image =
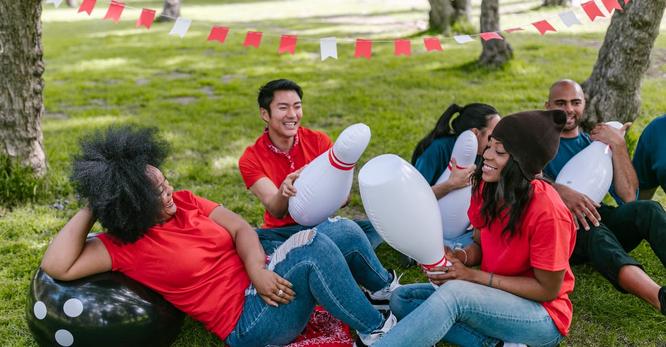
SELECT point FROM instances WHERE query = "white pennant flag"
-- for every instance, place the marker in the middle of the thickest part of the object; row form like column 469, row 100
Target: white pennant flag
column 329, row 48
column 463, row 38
column 181, row 27
column 569, row 18
column 54, row 2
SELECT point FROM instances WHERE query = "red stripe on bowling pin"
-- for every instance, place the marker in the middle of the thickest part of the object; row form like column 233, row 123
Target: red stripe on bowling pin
column 337, row 163
column 457, row 166
column 441, row 262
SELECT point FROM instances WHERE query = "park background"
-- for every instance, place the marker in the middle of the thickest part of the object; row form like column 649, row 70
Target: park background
column 202, row 97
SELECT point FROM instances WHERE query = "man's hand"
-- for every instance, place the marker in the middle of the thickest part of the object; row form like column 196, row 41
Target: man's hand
column 582, row 207
column 287, row 188
column 460, row 177
column 609, row 135
column 272, row 288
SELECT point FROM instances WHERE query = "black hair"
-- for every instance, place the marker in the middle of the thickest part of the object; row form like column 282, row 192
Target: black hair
column 474, row 115
column 507, row 197
column 111, row 174
column 267, row 91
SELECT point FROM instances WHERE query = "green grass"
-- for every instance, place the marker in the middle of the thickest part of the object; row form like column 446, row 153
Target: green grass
column 202, row 97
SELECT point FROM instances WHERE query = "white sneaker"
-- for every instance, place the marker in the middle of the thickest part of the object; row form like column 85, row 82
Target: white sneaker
column 369, row 339
column 513, row 344
column 380, row 299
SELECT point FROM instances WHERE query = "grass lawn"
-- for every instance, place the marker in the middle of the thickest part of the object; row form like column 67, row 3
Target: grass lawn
column 202, row 97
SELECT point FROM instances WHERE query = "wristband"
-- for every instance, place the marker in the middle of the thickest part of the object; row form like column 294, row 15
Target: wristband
column 490, row 281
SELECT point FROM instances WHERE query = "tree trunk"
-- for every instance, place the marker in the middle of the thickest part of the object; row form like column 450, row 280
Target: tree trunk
column 72, row 3
column 556, row 2
column 461, row 11
column 495, row 52
column 170, row 12
column 613, row 88
column 441, row 12
column 21, row 84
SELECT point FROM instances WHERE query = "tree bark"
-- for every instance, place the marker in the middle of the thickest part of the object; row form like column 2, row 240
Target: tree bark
column 170, row 12
column 461, row 11
column 556, row 2
column 21, row 83
column 613, row 89
column 495, row 52
column 72, row 3
column 441, row 13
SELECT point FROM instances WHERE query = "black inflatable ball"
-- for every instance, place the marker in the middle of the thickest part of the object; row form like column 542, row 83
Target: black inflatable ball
column 107, row 309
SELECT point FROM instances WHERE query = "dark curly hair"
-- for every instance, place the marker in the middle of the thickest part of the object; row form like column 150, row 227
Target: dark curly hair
column 110, row 172
column 508, row 197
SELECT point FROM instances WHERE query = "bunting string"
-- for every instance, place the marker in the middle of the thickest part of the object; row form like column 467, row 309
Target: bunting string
column 362, row 47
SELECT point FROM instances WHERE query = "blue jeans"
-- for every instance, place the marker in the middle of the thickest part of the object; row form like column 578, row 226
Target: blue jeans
column 316, row 268
column 466, row 314
column 352, row 241
column 462, row 240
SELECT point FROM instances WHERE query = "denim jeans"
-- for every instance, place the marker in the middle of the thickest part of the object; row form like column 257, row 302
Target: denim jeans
column 352, row 241
column 466, row 314
column 316, row 268
column 462, row 240
column 622, row 229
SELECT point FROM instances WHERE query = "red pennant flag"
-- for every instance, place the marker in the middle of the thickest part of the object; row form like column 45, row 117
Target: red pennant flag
column 115, row 10
column 253, row 38
column 146, row 19
column 87, row 6
column 402, row 47
column 363, row 49
column 218, row 33
column 626, row 2
column 513, row 30
column 432, row 44
column 612, row 5
column 287, row 44
column 491, row 35
column 543, row 26
column 593, row 11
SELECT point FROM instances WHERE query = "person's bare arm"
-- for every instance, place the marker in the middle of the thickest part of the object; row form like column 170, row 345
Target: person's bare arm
column 580, row 205
column 625, row 179
column 70, row 256
column 274, row 199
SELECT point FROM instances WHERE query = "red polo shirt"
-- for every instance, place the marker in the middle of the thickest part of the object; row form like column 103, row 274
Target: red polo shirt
column 263, row 159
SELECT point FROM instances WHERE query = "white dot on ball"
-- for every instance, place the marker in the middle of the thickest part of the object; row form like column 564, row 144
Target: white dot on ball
column 64, row 337
column 73, row 307
column 40, row 310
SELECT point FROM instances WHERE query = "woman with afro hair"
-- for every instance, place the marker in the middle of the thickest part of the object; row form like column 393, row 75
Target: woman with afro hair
column 203, row 258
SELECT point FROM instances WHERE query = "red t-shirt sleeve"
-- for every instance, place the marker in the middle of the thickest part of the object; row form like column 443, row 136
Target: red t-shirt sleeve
column 250, row 169
column 550, row 247
column 121, row 258
column 204, row 205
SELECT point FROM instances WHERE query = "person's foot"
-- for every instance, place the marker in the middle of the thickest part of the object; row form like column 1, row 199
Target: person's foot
column 368, row 339
column 380, row 299
column 662, row 300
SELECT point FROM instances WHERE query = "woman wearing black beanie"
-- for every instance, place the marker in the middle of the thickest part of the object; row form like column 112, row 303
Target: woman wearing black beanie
column 524, row 237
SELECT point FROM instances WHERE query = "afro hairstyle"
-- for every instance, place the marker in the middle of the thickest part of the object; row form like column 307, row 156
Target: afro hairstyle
column 110, row 173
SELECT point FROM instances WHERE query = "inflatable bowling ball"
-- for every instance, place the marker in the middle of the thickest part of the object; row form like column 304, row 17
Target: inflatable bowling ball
column 107, row 309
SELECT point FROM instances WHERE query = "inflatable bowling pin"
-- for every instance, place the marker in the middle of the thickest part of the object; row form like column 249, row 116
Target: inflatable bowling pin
column 591, row 170
column 325, row 183
column 454, row 205
column 402, row 207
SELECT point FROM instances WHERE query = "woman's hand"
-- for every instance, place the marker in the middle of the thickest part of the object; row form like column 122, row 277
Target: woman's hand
column 460, row 177
column 272, row 288
column 456, row 271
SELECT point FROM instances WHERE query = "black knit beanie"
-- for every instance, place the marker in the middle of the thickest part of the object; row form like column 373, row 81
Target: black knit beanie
column 531, row 137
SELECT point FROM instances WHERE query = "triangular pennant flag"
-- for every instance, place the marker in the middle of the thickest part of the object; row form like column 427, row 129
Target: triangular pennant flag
column 87, row 6
column 56, row 3
column 593, row 11
column 402, row 47
column 432, row 44
column 181, row 27
column 253, row 38
column 218, row 33
column 626, row 1
column 463, row 39
column 612, row 5
column 491, row 35
column 363, row 49
column 543, row 26
column 513, row 30
column 146, row 18
column 287, row 44
column 115, row 10
column 329, row 48
column 569, row 18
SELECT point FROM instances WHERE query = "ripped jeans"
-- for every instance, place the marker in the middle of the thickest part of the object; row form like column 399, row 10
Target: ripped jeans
column 316, row 268
column 352, row 238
